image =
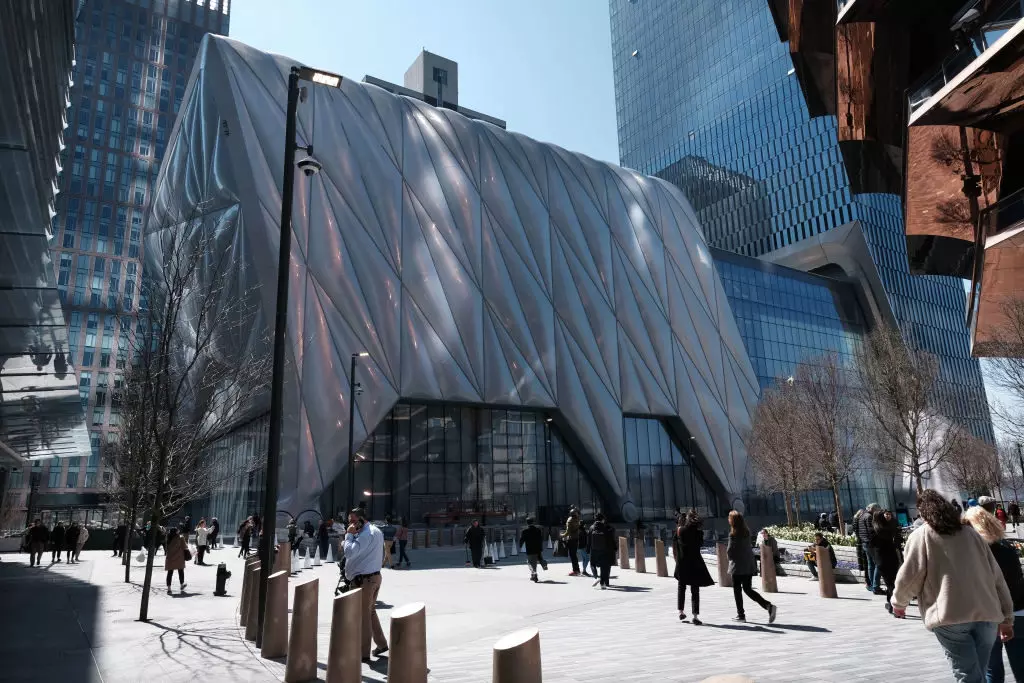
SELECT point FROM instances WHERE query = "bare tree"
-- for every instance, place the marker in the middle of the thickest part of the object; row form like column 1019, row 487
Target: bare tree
column 899, row 391
column 830, row 422
column 779, row 458
column 194, row 376
column 1007, row 366
column 1011, row 467
column 973, row 466
column 12, row 512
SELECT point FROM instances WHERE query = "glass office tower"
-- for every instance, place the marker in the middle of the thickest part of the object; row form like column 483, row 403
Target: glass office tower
column 134, row 58
column 706, row 98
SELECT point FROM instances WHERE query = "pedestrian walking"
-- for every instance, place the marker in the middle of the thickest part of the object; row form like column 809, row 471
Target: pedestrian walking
column 177, row 554
column 71, row 541
column 402, row 538
column 584, row 553
column 741, row 567
column 1001, row 515
column 474, row 538
column 865, row 533
column 57, row 541
column 690, row 567
column 571, row 537
column 245, row 537
column 202, row 541
column 1009, row 563
column 119, row 538
column 214, row 533
column 388, row 530
column 364, row 552
column 38, row 536
column 961, row 593
column 323, row 536
column 887, row 543
column 1015, row 513
column 83, row 536
column 603, row 548
column 811, row 554
column 532, row 539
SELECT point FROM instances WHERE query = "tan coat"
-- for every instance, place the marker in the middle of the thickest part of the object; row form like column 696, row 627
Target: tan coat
column 175, row 558
column 956, row 579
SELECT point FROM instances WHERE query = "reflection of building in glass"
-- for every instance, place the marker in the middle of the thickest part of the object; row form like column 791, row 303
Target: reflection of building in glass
column 516, row 302
column 40, row 414
column 723, row 87
column 133, row 61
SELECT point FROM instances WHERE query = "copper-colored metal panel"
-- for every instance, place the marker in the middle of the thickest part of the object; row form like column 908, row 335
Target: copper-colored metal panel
column 871, row 75
column 935, row 203
column 1002, row 282
column 811, row 32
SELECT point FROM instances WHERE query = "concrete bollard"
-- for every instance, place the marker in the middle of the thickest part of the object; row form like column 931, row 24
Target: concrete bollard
column 301, row 664
column 275, row 624
column 768, row 581
column 724, row 580
column 252, row 609
column 408, row 660
column 283, row 561
column 826, row 575
column 344, row 663
column 641, row 556
column 623, row 552
column 659, row 557
column 517, row 658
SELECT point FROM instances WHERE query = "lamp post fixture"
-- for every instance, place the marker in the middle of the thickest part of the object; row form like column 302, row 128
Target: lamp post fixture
column 268, row 538
column 353, row 388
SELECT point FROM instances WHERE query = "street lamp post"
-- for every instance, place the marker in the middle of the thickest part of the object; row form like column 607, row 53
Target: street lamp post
column 268, row 538
column 353, row 387
column 693, row 474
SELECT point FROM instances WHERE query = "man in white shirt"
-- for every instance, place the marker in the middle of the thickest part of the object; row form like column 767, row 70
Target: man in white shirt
column 364, row 554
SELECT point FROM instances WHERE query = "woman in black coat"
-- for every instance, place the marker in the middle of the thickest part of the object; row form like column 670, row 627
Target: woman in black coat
column 690, row 568
column 885, row 545
column 603, row 545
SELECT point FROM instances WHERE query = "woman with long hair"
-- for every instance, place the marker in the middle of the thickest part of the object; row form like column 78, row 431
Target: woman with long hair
column 960, row 589
column 993, row 531
column 886, row 544
column 741, row 567
column 175, row 558
column 690, row 568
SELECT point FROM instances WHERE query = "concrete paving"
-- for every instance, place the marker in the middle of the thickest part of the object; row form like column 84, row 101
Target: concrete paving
column 78, row 624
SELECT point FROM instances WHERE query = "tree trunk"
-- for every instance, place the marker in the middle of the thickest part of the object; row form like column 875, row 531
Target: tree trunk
column 126, row 555
column 155, row 517
column 839, row 505
column 789, row 508
column 796, row 505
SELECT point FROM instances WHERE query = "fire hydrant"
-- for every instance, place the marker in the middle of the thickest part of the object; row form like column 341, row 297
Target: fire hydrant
column 222, row 579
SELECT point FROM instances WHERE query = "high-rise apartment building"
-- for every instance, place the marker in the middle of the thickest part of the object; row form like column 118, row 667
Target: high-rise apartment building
column 708, row 98
column 134, row 58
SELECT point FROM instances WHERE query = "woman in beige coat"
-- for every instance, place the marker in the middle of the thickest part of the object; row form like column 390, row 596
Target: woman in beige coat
column 175, row 558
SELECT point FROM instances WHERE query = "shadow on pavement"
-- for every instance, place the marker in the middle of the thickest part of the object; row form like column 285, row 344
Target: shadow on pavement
column 50, row 616
column 630, row 589
column 802, row 627
column 744, row 627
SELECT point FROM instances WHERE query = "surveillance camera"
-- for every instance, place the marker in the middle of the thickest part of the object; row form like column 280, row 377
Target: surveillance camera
column 310, row 166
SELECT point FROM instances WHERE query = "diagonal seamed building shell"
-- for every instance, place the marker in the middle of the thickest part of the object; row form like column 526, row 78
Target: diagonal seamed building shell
column 473, row 264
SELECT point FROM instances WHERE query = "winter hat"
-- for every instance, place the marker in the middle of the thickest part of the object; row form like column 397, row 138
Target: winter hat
column 971, row 503
column 986, row 500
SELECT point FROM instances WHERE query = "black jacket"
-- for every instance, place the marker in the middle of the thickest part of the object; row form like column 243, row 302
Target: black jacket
column 690, row 567
column 533, row 538
column 1009, row 561
column 38, row 534
column 475, row 536
column 71, row 536
column 603, row 544
column 865, row 528
column 886, row 542
column 57, row 535
column 740, row 552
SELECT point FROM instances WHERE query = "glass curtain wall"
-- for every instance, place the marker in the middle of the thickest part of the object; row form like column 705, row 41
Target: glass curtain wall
column 442, row 464
column 241, row 496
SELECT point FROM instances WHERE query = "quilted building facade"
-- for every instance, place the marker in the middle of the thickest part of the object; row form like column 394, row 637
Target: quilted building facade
column 492, row 279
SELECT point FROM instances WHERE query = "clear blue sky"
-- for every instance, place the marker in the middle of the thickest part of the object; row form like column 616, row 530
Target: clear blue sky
column 544, row 66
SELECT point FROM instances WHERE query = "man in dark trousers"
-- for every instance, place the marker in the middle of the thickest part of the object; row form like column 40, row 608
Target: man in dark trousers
column 474, row 538
column 38, row 535
column 571, row 537
column 57, row 542
column 532, row 539
column 119, row 535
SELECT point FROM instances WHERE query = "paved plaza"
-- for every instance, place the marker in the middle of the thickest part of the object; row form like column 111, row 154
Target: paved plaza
column 77, row 623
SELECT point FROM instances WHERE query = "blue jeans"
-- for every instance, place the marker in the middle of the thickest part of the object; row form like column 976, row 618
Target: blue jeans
column 873, row 576
column 585, row 560
column 968, row 648
column 1014, row 652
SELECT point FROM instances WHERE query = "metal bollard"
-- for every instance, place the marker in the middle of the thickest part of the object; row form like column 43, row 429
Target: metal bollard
column 301, row 664
column 408, row 660
column 275, row 624
column 641, row 556
column 344, row 664
column 623, row 553
column 252, row 607
column 768, row 582
column 659, row 557
column 724, row 579
column 517, row 658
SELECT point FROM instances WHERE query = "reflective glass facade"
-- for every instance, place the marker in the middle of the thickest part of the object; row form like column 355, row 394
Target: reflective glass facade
column 134, row 58
column 706, row 98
